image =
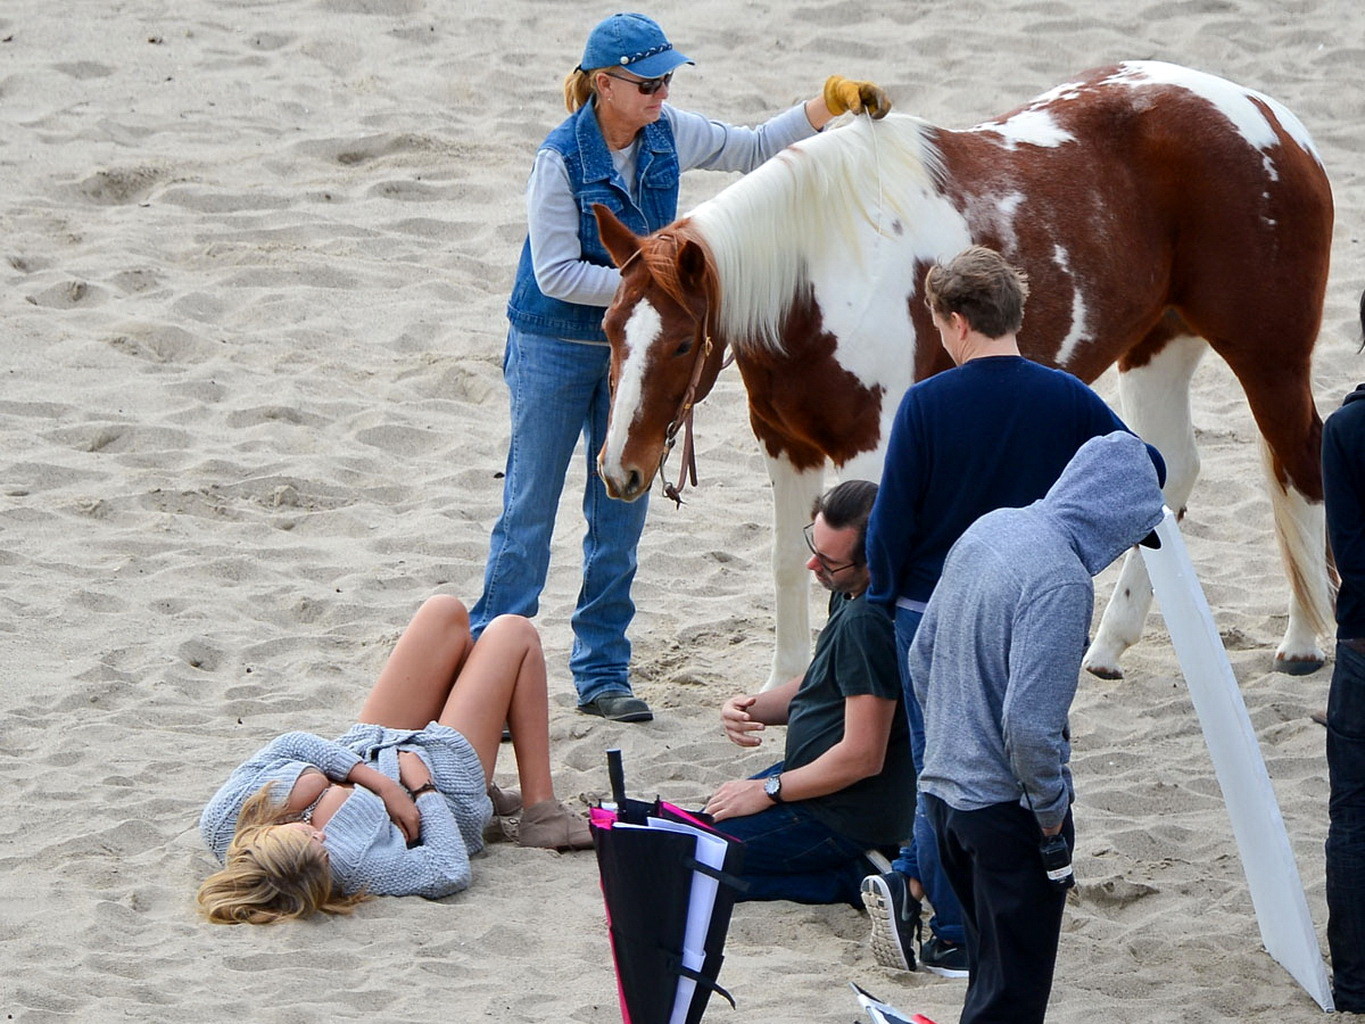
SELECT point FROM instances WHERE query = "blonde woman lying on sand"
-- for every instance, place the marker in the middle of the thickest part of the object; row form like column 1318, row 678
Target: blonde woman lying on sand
column 396, row 806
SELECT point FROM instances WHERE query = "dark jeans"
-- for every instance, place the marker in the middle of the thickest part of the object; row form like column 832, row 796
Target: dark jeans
column 919, row 857
column 1012, row 912
column 791, row 855
column 1346, row 829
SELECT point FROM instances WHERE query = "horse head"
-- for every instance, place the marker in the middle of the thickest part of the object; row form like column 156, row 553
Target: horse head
column 663, row 357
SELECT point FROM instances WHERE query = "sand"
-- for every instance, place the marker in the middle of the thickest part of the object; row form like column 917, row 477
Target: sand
column 254, row 261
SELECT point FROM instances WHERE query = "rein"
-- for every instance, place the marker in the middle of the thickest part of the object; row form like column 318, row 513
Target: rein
column 682, row 419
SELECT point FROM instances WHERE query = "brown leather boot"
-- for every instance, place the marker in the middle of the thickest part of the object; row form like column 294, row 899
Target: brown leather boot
column 552, row 826
column 506, row 802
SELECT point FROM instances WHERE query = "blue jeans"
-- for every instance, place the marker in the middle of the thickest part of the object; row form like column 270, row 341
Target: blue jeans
column 920, row 859
column 559, row 392
column 790, row 855
column 1346, row 829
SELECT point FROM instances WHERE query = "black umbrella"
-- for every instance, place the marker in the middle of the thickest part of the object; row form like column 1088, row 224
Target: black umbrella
column 669, row 879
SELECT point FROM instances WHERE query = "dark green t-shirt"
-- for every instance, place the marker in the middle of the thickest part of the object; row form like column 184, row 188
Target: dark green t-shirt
column 855, row 655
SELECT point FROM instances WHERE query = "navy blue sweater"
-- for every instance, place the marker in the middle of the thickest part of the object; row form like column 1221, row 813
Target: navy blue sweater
column 995, row 432
column 1343, row 480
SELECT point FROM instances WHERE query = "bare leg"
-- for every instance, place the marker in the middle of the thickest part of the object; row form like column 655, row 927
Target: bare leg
column 503, row 680
column 417, row 679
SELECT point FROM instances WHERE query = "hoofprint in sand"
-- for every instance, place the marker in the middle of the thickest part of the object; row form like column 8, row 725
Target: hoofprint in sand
column 255, row 257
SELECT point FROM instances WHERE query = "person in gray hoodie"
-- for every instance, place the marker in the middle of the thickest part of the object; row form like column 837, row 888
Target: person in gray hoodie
column 995, row 664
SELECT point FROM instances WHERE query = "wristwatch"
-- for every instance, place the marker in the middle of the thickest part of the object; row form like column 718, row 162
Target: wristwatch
column 772, row 787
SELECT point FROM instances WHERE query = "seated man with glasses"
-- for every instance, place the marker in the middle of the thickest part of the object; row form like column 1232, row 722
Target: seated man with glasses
column 845, row 785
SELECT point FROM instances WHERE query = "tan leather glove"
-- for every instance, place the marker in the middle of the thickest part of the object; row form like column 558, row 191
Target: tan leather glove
column 844, row 94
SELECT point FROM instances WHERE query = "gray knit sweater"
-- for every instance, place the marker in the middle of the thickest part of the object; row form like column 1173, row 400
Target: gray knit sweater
column 367, row 851
column 997, row 656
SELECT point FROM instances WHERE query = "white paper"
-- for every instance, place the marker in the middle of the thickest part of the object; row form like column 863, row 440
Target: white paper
column 1267, row 858
column 710, row 850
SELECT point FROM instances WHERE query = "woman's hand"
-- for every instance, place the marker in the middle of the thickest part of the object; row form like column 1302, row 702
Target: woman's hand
column 403, row 812
column 738, row 799
column 739, row 724
column 413, row 772
column 844, row 94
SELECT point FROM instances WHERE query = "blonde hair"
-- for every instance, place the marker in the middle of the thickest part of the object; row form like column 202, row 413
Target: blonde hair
column 578, row 87
column 272, row 873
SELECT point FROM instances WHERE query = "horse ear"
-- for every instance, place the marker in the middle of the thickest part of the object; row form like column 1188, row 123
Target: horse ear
column 620, row 241
column 692, row 267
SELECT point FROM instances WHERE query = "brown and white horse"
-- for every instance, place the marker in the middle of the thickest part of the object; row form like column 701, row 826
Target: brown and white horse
column 1158, row 212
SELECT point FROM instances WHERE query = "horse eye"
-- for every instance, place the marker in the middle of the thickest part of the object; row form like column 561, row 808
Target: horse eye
column 684, row 348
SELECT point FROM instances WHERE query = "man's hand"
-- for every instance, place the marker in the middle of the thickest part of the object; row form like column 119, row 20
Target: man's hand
column 739, row 726
column 738, row 799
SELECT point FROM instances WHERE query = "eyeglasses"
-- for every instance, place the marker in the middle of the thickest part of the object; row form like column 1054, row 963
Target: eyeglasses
column 647, row 86
column 825, row 563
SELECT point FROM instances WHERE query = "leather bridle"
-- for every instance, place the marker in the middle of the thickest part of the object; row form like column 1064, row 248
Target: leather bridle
column 682, row 418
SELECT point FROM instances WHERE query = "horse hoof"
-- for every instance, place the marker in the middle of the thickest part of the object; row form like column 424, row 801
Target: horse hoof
column 1105, row 671
column 1297, row 666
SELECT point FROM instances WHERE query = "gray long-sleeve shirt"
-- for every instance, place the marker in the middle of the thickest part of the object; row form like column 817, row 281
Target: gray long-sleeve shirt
column 552, row 210
column 997, row 656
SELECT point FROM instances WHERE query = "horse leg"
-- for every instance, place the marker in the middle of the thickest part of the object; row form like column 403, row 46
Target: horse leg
column 794, row 492
column 1155, row 399
column 1281, row 400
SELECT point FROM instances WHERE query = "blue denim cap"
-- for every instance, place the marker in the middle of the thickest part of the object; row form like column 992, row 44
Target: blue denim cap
column 632, row 42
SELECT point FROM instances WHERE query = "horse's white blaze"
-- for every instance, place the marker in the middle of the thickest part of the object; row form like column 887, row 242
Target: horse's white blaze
column 642, row 328
column 1232, row 101
column 1079, row 330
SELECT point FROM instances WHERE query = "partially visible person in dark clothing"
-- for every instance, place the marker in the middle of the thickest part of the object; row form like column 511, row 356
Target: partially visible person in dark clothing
column 1343, row 480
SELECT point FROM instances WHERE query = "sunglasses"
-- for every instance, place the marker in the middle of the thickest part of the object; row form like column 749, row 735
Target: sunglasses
column 825, row 563
column 647, row 86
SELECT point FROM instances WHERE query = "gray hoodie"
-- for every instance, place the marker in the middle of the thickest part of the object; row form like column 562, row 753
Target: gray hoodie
column 996, row 659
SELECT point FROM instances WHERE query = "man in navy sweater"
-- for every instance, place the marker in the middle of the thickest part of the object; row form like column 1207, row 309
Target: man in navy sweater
column 994, row 432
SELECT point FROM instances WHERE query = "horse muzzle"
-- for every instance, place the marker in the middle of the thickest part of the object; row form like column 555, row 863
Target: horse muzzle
column 622, row 482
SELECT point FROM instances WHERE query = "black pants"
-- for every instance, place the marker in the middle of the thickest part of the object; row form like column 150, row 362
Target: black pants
column 1012, row 912
column 1346, row 830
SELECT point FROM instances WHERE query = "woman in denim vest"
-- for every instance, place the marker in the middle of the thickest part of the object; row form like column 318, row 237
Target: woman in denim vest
column 624, row 147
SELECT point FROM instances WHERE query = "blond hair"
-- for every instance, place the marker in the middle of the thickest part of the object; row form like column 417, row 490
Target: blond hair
column 579, row 87
column 272, row 873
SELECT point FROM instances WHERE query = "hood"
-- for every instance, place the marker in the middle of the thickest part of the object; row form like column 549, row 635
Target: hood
column 1358, row 395
column 1106, row 500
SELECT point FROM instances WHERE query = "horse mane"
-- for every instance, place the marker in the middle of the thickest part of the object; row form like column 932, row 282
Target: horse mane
column 660, row 257
column 801, row 207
